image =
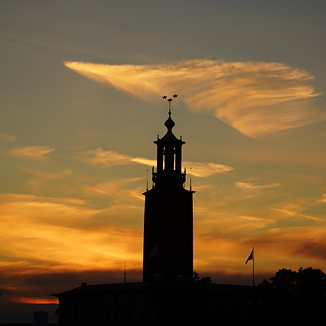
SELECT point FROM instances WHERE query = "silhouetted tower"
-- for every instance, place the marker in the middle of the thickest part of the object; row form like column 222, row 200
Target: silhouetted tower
column 168, row 223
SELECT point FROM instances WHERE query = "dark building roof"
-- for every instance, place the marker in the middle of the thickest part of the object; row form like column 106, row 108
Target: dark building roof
column 218, row 289
column 102, row 288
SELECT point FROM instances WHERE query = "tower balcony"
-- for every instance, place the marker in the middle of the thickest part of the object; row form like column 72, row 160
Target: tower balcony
column 169, row 179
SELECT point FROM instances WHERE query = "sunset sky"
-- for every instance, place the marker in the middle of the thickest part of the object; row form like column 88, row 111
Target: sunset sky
column 81, row 87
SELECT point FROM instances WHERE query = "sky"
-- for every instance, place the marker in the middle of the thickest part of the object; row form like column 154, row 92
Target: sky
column 81, row 104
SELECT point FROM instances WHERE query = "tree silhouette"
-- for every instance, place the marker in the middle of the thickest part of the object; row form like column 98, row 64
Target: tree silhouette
column 294, row 297
column 203, row 280
column 284, row 281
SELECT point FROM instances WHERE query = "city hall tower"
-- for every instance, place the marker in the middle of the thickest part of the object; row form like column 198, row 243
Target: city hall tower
column 168, row 220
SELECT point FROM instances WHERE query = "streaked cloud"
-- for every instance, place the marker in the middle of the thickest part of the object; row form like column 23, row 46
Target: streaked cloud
column 7, row 137
column 323, row 200
column 114, row 233
column 206, row 169
column 33, row 226
column 31, row 152
column 27, row 198
column 282, row 237
column 144, row 161
column 306, row 242
column 109, row 158
column 247, row 186
column 197, row 169
column 31, row 300
column 47, row 175
column 295, row 211
column 120, row 190
column 41, row 180
column 256, row 98
column 104, row 158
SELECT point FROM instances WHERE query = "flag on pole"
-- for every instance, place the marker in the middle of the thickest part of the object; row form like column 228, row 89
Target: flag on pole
column 251, row 256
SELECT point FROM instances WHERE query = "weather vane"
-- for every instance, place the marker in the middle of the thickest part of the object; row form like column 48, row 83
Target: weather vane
column 169, row 100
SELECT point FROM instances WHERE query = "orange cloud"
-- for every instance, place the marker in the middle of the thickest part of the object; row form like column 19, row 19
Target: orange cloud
column 224, row 241
column 47, row 175
column 121, row 190
column 144, row 161
column 256, row 98
column 37, row 300
column 228, row 223
column 248, row 186
column 31, row 152
column 205, row 169
column 293, row 242
column 34, row 226
column 7, row 137
column 104, row 158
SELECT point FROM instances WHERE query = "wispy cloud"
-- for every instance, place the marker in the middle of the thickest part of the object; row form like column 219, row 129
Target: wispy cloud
column 307, row 242
column 247, row 186
column 27, row 198
column 231, row 229
column 205, row 169
column 31, row 152
column 120, row 190
column 47, row 175
column 294, row 211
column 7, row 137
column 33, row 226
column 41, row 180
column 256, row 98
column 197, row 169
column 105, row 158
column 144, row 161
column 323, row 200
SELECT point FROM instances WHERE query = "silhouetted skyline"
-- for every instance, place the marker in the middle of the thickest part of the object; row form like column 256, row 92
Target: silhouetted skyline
column 76, row 138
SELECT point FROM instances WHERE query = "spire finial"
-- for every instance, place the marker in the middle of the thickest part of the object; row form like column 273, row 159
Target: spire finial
column 147, row 180
column 190, row 180
column 170, row 101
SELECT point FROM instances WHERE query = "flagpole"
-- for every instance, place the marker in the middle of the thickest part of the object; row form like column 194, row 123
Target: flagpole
column 254, row 298
column 158, row 261
column 253, row 267
column 252, row 257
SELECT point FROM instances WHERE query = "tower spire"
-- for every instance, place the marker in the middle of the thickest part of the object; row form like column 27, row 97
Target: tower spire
column 168, row 220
